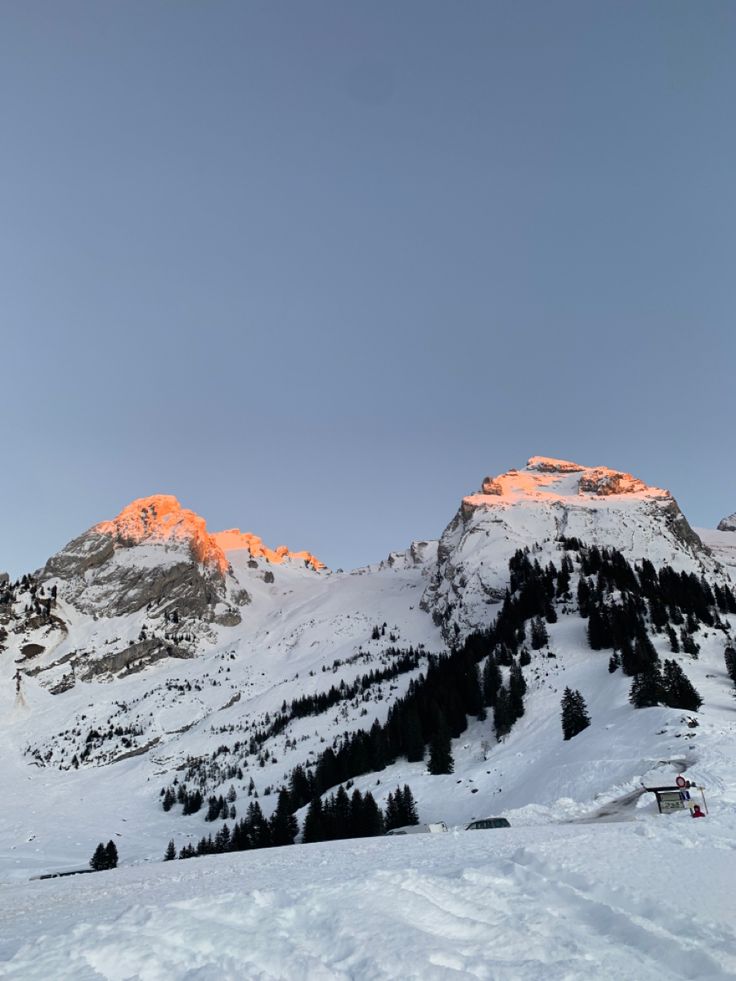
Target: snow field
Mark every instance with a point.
(627, 901)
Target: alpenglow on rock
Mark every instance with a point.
(547, 500)
(154, 552)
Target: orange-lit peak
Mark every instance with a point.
(161, 519)
(548, 464)
(234, 540)
(547, 479)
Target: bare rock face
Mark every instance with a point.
(131, 659)
(155, 553)
(538, 505)
(728, 524)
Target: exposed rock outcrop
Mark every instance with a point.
(727, 524)
(155, 553)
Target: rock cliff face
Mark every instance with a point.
(160, 556)
(546, 500)
(154, 553)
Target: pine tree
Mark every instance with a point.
(440, 750)
(517, 690)
(284, 825)
(341, 814)
(314, 824)
(412, 736)
(646, 688)
(575, 716)
(677, 689)
(409, 808)
(392, 818)
(729, 656)
(491, 681)
(111, 855)
(539, 634)
(372, 817)
(170, 852)
(98, 862)
(502, 713)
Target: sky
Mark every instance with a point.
(318, 268)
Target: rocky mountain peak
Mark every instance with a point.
(728, 524)
(161, 519)
(540, 505)
(234, 540)
(548, 479)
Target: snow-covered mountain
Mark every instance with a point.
(545, 501)
(151, 652)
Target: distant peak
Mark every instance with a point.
(234, 540)
(728, 524)
(548, 479)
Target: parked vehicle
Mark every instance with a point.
(419, 829)
(484, 823)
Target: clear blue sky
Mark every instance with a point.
(317, 268)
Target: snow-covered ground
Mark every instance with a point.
(641, 900)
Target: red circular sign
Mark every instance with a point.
(681, 782)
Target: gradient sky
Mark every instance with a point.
(317, 268)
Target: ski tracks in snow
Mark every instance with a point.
(518, 917)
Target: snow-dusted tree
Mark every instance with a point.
(170, 853)
(575, 716)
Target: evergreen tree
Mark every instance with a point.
(341, 814)
(584, 592)
(170, 852)
(98, 862)
(674, 643)
(392, 817)
(677, 689)
(502, 713)
(539, 637)
(440, 750)
(372, 817)
(357, 817)
(646, 688)
(314, 823)
(575, 716)
(491, 681)
(729, 656)
(412, 736)
(408, 806)
(517, 690)
(111, 855)
(284, 825)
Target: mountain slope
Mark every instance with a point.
(113, 686)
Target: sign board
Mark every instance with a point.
(681, 782)
(670, 801)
